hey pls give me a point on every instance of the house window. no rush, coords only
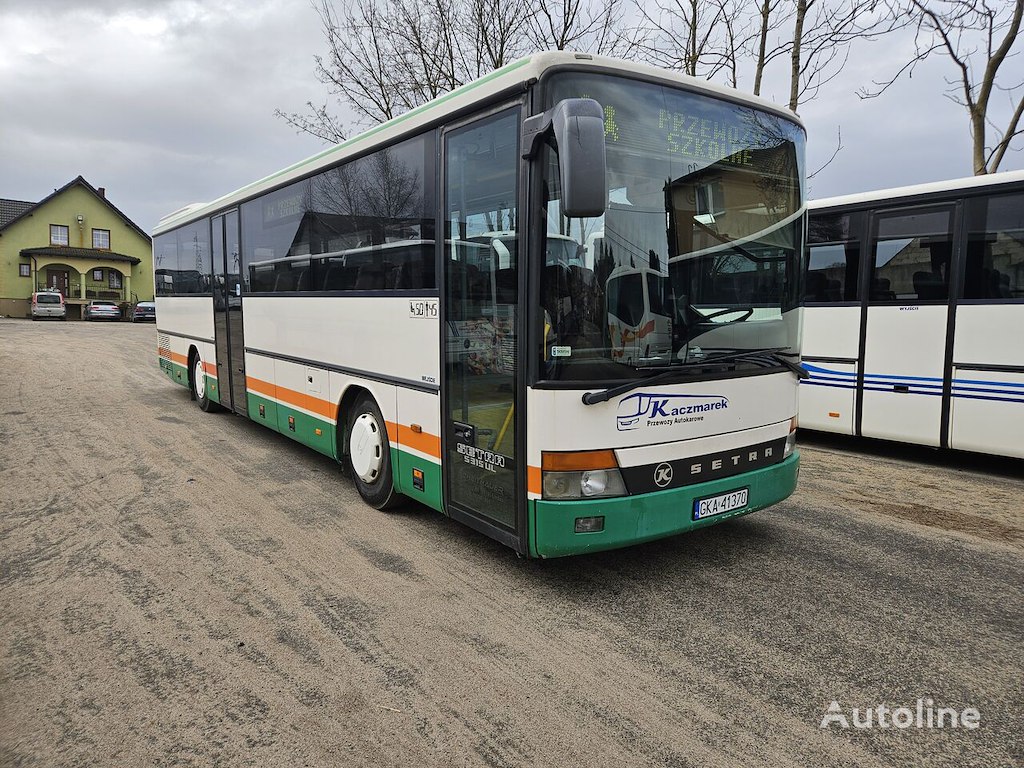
(58, 234)
(97, 275)
(101, 239)
(114, 279)
(25, 270)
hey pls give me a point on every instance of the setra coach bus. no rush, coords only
(428, 303)
(914, 305)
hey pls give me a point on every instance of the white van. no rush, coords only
(49, 304)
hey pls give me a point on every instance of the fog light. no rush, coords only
(590, 524)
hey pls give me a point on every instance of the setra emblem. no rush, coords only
(663, 475)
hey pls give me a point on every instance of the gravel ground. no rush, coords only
(179, 588)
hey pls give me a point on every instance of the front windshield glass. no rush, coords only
(698, 252)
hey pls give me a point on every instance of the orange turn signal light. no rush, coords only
(576, 461)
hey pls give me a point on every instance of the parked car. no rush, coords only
(49, 304)
(144, 310)
(101, 310)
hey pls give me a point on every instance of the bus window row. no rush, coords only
(912, 254)
(365, 225)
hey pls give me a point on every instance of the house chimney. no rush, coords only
(103, 192)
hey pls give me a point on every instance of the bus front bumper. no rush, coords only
(632, 520)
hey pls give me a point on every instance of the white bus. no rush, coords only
(914, 305)
(415, 303)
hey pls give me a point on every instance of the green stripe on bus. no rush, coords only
(176, 373)
(632, 520)
(295, 424)
(404, 465)
(404, 468)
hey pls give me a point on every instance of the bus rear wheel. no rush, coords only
(369, 455)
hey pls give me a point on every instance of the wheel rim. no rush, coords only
(366, 448)
(200, 379)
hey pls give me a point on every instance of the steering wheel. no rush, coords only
(747, 312)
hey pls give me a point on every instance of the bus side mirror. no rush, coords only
(578, 129)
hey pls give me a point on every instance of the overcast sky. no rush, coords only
(169, 102)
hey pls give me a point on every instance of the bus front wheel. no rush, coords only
(369, 454)
(199, 391)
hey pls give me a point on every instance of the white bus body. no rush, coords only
(416, 303)
(914, 301)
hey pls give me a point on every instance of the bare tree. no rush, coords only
(385, 57)
(723, 38)
(576, 25)
(977, 38)
(687, 35)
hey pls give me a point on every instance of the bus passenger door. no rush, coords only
(227, 313)
(905, 344)
(480, 355)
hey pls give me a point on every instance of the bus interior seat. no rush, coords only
(284, 281)
(880, 290)
(997, 284)
(929, 286)
(370, 278)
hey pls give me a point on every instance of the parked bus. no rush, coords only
(914, 301)
(415, 303)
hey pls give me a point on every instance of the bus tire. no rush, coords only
(198, 381)
(368, 454)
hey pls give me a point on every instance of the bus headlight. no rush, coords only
(589, 484)
(581, 475)
(790, 439)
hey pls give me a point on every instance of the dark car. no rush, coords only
(101, 310)
(144, 311)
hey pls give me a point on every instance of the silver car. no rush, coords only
(49, 304)
(101, 310)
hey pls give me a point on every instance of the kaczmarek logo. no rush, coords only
(663, 475)
(647, 409)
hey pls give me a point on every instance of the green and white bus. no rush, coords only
(428, 304)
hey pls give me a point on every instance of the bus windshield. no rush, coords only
(698, 252)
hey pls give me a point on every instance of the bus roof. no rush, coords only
(933, 188)
(507, 78)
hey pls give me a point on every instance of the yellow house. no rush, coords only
(77, 242)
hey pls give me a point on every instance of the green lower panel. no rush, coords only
(424, 487)
(635, 519)
(262, 411)
(176, 373)
(212, 389)
(297, 425)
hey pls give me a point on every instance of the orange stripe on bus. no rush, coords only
(533, 484)
(397, 433)
(289, 396)
(209, 368)
(424, 442)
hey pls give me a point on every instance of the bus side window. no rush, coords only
(994, 268)
(832, 273)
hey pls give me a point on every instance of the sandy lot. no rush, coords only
(180, 588)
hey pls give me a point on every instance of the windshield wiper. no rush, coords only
(767, 357)
(763, 357)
